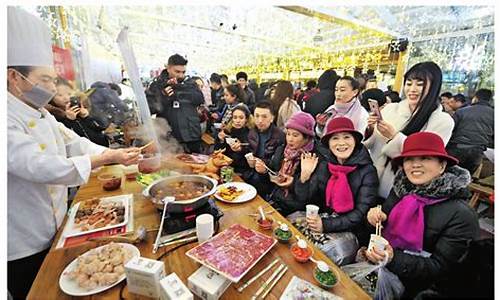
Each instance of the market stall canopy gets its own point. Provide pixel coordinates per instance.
(214, 38)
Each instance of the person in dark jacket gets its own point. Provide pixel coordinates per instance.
(178, 99)
(263, 141)
(234, 137)
(473, 131)
(233, 94)
(217, 91)
(287, 161)
(76, 116)
(426, 219)
(107, 106)
(319, 102)
(242, 79)
(346, 185)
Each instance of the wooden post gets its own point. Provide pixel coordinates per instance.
(64, 25)
(400, 71)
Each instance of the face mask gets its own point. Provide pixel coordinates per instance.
(38, 96)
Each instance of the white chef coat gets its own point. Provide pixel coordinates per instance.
(43, 159)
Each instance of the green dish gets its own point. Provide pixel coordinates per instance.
(146, 179)
(325, 279)
(282, 236)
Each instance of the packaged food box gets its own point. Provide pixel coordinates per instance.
(208, 284)
(171, 287)
(144, 275)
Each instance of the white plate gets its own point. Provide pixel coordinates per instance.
(249, 194)
(71, 287)
(71, 230)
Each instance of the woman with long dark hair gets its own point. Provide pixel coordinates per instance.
(419, 111)
(283, 103)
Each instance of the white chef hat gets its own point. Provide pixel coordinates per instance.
(29, 41)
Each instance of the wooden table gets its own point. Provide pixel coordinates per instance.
(46, 285)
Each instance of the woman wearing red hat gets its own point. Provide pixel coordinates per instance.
(347, 185)
(420, 111)
(293, 162)
(426, 219)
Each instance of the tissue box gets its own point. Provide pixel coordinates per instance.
(144, 275)
(208, 284)
(173, 288)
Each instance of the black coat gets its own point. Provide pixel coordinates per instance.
(183, 120)
(87, 127)
(261, 181)
(474, 126)
(319, 102)
(364, 186)
(450, 227)
(239, 161)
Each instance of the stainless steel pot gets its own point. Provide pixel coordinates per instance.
(181, 206)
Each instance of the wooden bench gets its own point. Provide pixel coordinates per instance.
(208, 143)
(478, 190)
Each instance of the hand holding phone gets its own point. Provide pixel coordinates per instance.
(374, 108)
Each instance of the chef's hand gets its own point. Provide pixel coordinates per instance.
(315, 223)
(83, 112)
(72, 112)
(376, 256)
(386, 129)
(375, 215)
(126, 156)
(260, 166)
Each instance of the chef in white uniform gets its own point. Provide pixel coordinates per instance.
(44, 157)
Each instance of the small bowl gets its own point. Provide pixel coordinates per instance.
(281, 239)
(149, 163)
(301, 259)
(130, 172)
(110, 181)
(268, 224)
(316, 271)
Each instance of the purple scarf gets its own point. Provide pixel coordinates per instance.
(405, 227)
(338, 191)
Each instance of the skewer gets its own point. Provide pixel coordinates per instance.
(271, 286)
(379, 223)
(268, 281)
(189, 239)
(246, 284)
(147, 145)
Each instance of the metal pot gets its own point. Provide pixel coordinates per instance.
(181, 206)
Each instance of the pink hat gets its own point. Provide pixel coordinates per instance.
(302, 122)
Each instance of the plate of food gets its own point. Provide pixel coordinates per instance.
(235, 192)
(193, 158)
(233, 252)
(98, 214)
(299, 288)
(97, 269)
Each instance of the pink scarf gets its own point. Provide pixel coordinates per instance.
(338, 191)
(291, 158)
(405, 226)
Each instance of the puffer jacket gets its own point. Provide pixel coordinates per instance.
(319, 102)
(363, 183)
(450, 226)
(474, 125)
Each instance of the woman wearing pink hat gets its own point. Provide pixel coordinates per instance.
(426, 219)
(294, 162)
(419, 111)
(347, 183)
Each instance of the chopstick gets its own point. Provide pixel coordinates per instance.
(268, 281)
(189, 239)
(147, 145)
(244, 286)
(244, 144)
(378, 226)
(270, 171)
(271, 286)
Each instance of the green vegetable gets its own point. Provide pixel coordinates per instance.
(326, 278)
(147, 179)
(283, 235)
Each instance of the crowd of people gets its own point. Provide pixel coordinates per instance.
(326, 145)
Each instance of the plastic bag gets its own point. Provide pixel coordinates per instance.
(360, 270)
(388, 285)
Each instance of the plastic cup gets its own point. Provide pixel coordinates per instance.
(377, 242)
(204, 227)
(312, 210)
(250, 159)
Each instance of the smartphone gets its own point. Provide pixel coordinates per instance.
(374, 108)
(74, 101)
